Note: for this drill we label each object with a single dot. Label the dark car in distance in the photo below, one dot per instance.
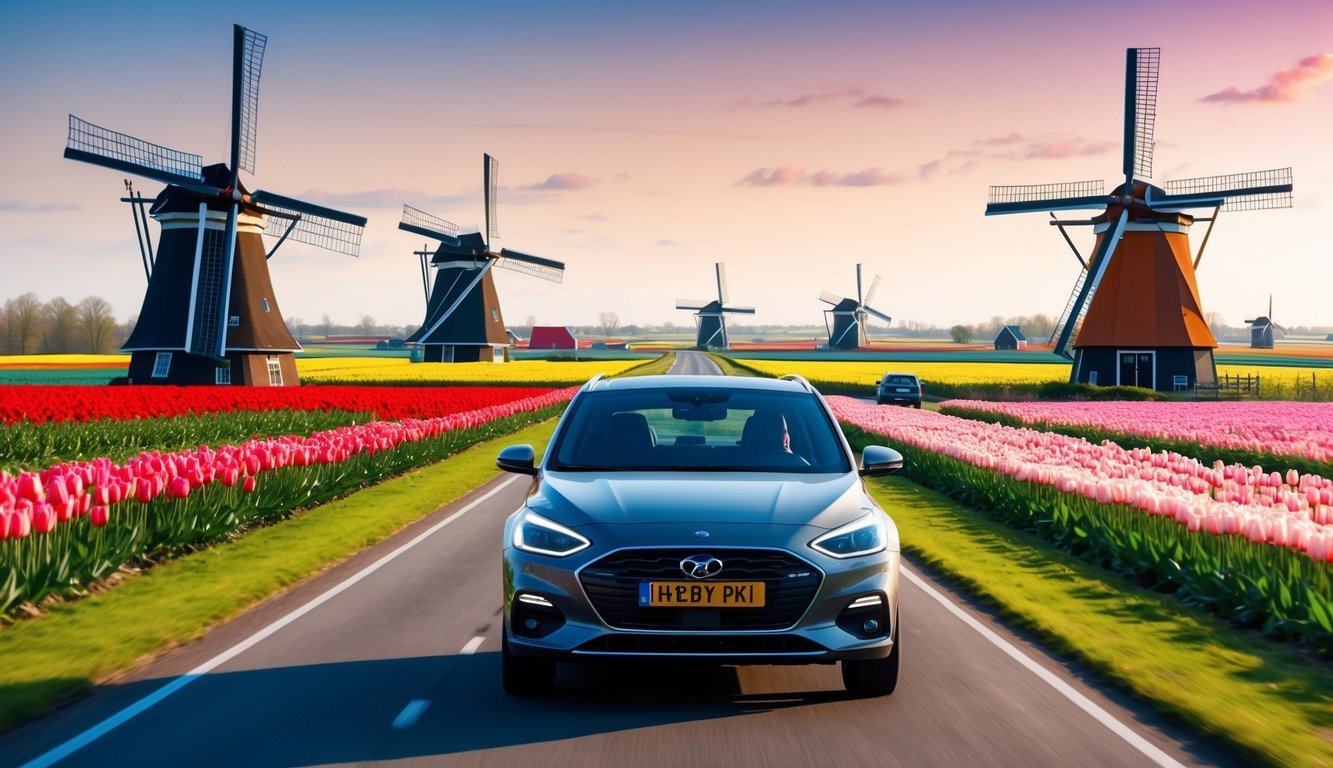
(899, 389)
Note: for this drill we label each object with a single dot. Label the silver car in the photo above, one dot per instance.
(710, 518)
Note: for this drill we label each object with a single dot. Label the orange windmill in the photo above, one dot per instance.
(1134, 315)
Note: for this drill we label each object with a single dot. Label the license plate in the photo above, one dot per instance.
(699, 594)
(902, 389)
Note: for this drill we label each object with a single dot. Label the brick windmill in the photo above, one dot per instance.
(210, 315)
(463, 322)
(1134, 315)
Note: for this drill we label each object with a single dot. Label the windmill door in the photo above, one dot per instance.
(1137, 369)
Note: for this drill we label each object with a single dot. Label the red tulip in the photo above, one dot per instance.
(43, 518)
(180, 487)
(249, 485)
(30, 487)
(5, 516)
(98, 516)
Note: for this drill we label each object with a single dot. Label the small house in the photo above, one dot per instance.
(1011, 337)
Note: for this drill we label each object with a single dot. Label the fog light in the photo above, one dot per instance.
(530, 623)
(870, 626)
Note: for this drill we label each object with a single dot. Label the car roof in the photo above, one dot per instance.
(896, 373)
(698, 382)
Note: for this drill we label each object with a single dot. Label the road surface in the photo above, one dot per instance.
(694, 362)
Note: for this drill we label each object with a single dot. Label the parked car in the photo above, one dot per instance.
(899, 388)
(713, 519)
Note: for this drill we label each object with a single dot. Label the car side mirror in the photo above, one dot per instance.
(878, 460)
(517, 458)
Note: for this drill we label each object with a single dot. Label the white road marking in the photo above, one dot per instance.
(1136, 741)
(472, 646)
(94, 733)
(408, 717)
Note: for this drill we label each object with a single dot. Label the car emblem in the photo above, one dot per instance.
(701, 566)
(701, 534)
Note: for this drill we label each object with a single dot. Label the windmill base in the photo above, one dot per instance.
(249, 369)
(1165, 369)
(464, 353)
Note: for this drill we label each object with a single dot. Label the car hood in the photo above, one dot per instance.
(822, 501)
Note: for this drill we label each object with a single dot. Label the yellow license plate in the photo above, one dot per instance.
(701, 594)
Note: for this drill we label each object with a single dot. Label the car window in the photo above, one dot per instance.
(900, 380)
(698, 429)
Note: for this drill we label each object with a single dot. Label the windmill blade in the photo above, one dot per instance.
(1251, 191)
(829, 297)
(870, 294)
(860, 298)
(1141, 67)
(739, 310)
(318, 226)
(1282, 331)
(246, 62)
(1097, 267)
(111, 149)
(546, 269)
(1025, 198)
(490, 180)
(692, 303)
(723, 295)
(878, 314)
(421, 223)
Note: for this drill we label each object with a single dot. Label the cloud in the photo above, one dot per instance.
(594, 216)
(666, 243)
(996, 141)
(563, 182)
(23, 206)
(1076, 147)
(856, 96)
(1283, 86)
(386, 198)
(794, 175)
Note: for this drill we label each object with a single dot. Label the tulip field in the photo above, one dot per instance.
(400, 370)
(1296, 434)
(66, 525)
(1253, 545)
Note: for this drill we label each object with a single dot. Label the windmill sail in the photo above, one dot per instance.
(247, 61)
(316, 225)
(122, 152)
(536, 266)
(421, 223)
(1025, 198)
(1141, 70)
(1253, 191)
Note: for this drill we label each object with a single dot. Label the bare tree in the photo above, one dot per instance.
(27, 321)
(326, 324)
(609, 322)
(96, 324)
(367, 325)
(62, 319)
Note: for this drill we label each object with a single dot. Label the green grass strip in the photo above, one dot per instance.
(63, 655)
(1272, 704)
(652, 367)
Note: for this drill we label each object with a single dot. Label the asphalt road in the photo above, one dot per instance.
(694, 362)
(394, 656)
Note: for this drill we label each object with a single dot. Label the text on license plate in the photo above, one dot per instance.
(700, 594)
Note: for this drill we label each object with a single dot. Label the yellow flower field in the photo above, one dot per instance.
(22, 361)
(869, 373)
(357, 370)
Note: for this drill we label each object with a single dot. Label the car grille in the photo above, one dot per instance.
(702, 645)
(612, 585)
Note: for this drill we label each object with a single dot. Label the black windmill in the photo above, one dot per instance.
(210, 315)
(1263, 330)
(710, 314)
(463, 320)
(846, 321)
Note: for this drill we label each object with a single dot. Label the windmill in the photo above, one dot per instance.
(1263, 328)
(463, 322)
(209, 315)
(1134, 316)
(710, 313)
(846, 321)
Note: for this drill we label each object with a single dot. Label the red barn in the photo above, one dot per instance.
(552, 337)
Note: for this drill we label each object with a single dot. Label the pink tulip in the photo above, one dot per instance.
(98, 516)
(180, 487)
(43, 518)
(249, 485)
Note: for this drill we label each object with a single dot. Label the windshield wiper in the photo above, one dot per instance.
(587, 468)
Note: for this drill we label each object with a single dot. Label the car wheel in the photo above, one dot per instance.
(873, 677)
(879, 402)
(524, 676)
(916, 405)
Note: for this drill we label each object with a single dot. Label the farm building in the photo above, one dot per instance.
(1011, 337)
(552, 337)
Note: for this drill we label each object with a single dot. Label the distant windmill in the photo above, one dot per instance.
(1134, 315)
(210, 315)
(1262, 329)
(463, 321)
(710, 314)
(846, 322)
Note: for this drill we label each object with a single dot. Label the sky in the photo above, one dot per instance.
(641, 142)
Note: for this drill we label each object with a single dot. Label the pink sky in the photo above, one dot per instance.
(640, 144)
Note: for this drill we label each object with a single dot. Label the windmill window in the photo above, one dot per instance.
(234, 321)
(264, 303)
(222, 375)
(495, 315)
(274, 372)
(161, 365)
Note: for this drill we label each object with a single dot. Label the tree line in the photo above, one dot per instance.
(30, 326)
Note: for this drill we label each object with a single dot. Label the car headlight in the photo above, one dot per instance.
(534, 533)
(863, 536)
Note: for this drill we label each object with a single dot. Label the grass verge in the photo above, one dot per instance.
(652, 367)
(66, 653)
(1272, 704)
(732, 368)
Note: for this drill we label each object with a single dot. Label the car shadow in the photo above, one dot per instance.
(346, 712)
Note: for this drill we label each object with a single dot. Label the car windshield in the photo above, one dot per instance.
(698, 429)
(901, 381)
